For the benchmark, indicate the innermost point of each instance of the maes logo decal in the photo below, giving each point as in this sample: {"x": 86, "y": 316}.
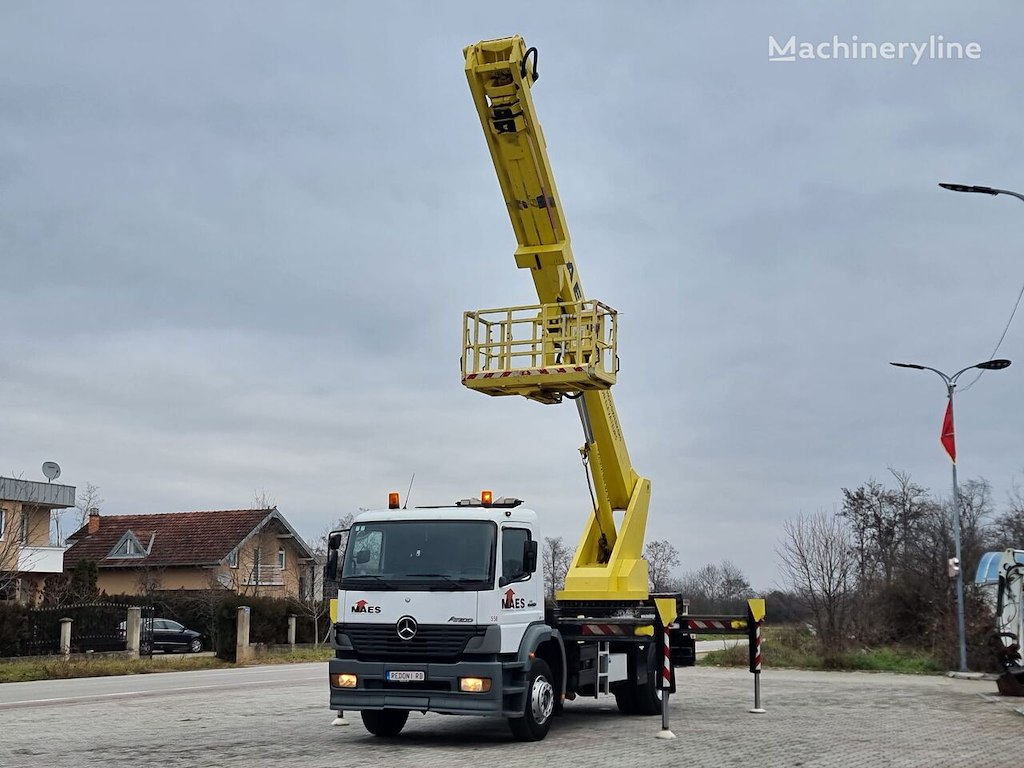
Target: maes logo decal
{"x": 361, "y": 606}
{"x": 511, "y": 601}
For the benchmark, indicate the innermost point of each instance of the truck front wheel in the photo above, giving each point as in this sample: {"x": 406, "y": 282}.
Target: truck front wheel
{"x": 540, "y": 705}
{"x": 385, "y": 722}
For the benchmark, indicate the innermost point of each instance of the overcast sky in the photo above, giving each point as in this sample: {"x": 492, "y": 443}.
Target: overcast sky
{"x": 237, "y": 240}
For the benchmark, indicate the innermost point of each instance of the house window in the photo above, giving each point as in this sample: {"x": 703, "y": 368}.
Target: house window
{"x": 3, "y": 514}
{"x": 280, "y": 558}
{"x": 128, "y": 547}
{"x": 24, "y": 526}
{"x": 233, "y": 559}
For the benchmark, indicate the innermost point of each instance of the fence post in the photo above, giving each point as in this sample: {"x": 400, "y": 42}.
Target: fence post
{"x": 65, "y": 638}
{"x": 291, "y": 631}
{"x": 132, "y": 630}
{"x": 242, "y": 648}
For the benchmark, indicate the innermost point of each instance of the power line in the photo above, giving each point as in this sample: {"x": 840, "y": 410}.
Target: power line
{"x": 998, "y": 343}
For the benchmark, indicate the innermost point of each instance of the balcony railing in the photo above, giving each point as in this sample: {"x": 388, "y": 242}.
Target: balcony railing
{"x": 41, "y": 560}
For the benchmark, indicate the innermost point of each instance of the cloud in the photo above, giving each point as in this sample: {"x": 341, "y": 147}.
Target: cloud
{"x": 236, "y": 248}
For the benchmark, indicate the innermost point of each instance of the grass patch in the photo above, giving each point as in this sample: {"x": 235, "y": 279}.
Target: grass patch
{"x": 26, "y": 670}
{"x": 296, "y": 656}
{"x": 906, "y": 660}
{"x": 796, "y": 648}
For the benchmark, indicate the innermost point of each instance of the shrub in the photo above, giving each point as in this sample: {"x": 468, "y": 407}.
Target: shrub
{"x": 13, "y": 620}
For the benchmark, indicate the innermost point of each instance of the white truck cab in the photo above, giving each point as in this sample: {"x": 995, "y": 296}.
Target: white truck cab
{"x": 439, "y": 609}
{"x": 446, "y": 567}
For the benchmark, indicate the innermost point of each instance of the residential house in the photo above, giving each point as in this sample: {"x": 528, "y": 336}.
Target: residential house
{"x": 27, "y": 555}
{"x": 249, "y": 551}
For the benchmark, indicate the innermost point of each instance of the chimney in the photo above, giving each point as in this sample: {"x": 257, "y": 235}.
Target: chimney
{"x": 94, "y": 520}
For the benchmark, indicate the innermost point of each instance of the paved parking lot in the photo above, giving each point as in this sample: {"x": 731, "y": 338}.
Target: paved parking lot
{"x": 275, "y": 716}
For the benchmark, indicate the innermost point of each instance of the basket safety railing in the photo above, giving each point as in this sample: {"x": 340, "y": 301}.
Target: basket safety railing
{"x": 558, "y": 340}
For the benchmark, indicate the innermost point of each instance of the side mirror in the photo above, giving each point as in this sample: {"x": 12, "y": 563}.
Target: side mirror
{"x": 331, "y": 572}
{"x": 530, "y": 556}
{"x": 334, "y": 541}
{"x": 363, "y": 556}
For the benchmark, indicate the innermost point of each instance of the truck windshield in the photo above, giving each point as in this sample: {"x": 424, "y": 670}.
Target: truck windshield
{"x": 429, "y": 554}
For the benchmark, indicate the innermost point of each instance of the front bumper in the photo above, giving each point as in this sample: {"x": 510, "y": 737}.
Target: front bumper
{"x": 438, "y": 692}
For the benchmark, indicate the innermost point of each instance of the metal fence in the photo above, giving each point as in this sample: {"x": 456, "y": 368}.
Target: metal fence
{"x": 97, "y": 627}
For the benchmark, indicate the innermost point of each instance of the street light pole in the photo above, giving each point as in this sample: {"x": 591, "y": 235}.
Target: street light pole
{"x": 979, "y": 190}
{"x": 950, "y": 382}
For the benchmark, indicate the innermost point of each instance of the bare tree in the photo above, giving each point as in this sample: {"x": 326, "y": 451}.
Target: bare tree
{"x": 263, "y": 500}
{"x": 85, "y": 501}
{"x": 819, "y": 564}
{"x": 661, "y": 558}
{"x": 884, "y": 522}
{"x": 734, "y": 588}
{"x": 10, "y": 553}
{"x": 706, "y": 581}
{"x": 56, "y": 590}
{"x": 149, "y": 580}
{"x": 1009, "y": 526}
{"x": 315, "y": 599}
{"x": 342, "y": 524}
{"x": 557, "y": 559}
{"x": 716, "y": 588}
{"x": 257, "y": 562}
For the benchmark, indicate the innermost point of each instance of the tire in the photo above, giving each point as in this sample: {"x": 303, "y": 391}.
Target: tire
{"x": 195, "y": 646}
{"x": 385, "y": 723}
{"x": 539, "y": 708}
{"x": 624, "y": 699}
{"x": 647, "y": 695}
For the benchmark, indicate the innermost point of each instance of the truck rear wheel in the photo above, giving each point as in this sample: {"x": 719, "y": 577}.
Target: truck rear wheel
{"x": 385, "y": 722}
{"x": 539, "y": 707}
{"x": 647, "y": 695}
{"x": 643, "y": 698}
{"x": 624, "y": 698}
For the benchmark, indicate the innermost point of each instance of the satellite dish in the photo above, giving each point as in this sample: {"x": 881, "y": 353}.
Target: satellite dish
{"x": 51, "y": 470}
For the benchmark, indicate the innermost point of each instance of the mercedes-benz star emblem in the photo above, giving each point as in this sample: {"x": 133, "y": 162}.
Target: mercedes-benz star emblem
{"x": 406, "y": 628}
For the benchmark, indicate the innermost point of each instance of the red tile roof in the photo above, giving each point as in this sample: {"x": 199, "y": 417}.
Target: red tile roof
{"x": 179, "y": 538}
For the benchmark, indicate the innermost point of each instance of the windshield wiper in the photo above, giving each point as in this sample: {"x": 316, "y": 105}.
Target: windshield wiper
{"x": 380, "y": 579}
{"x": 448, "y": 579}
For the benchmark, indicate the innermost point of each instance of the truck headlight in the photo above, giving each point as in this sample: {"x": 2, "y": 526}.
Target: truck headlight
{"x": 344, "y": 680}
{"x": 474, "y": 684}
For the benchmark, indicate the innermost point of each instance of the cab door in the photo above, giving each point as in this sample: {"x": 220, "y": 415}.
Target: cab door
{"x": 520, "y": 595}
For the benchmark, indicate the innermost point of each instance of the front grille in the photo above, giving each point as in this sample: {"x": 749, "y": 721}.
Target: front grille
{"x": 442, "y": 686}
{"x": 381, "y": 641}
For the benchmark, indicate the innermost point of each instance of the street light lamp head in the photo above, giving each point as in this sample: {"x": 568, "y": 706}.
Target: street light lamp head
{"x": 908, "y": 365}
{"x": 970, "y": 188}
{"x": 993, "y": 365}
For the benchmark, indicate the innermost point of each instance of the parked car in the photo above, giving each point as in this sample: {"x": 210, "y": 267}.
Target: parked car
{"x": 169, "y": 635}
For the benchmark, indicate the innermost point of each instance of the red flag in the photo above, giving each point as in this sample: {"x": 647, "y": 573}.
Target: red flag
{"x": 947, "y": 438}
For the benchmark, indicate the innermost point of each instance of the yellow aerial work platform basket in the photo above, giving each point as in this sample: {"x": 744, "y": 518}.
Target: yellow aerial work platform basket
{"x": 540, "y": 351}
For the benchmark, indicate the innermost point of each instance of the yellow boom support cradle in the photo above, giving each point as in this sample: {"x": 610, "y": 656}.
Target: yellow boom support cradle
{"x": 566, "y": 344}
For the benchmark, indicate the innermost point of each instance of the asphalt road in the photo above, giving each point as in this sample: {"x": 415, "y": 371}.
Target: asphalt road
{"x": 276, "y": 716}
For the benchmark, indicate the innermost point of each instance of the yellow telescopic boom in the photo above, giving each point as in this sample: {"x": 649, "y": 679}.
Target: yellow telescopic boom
{"x": 566, "y": 344}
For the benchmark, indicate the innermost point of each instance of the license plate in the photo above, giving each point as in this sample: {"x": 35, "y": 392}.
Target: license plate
{"x": 405, "y": 676}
